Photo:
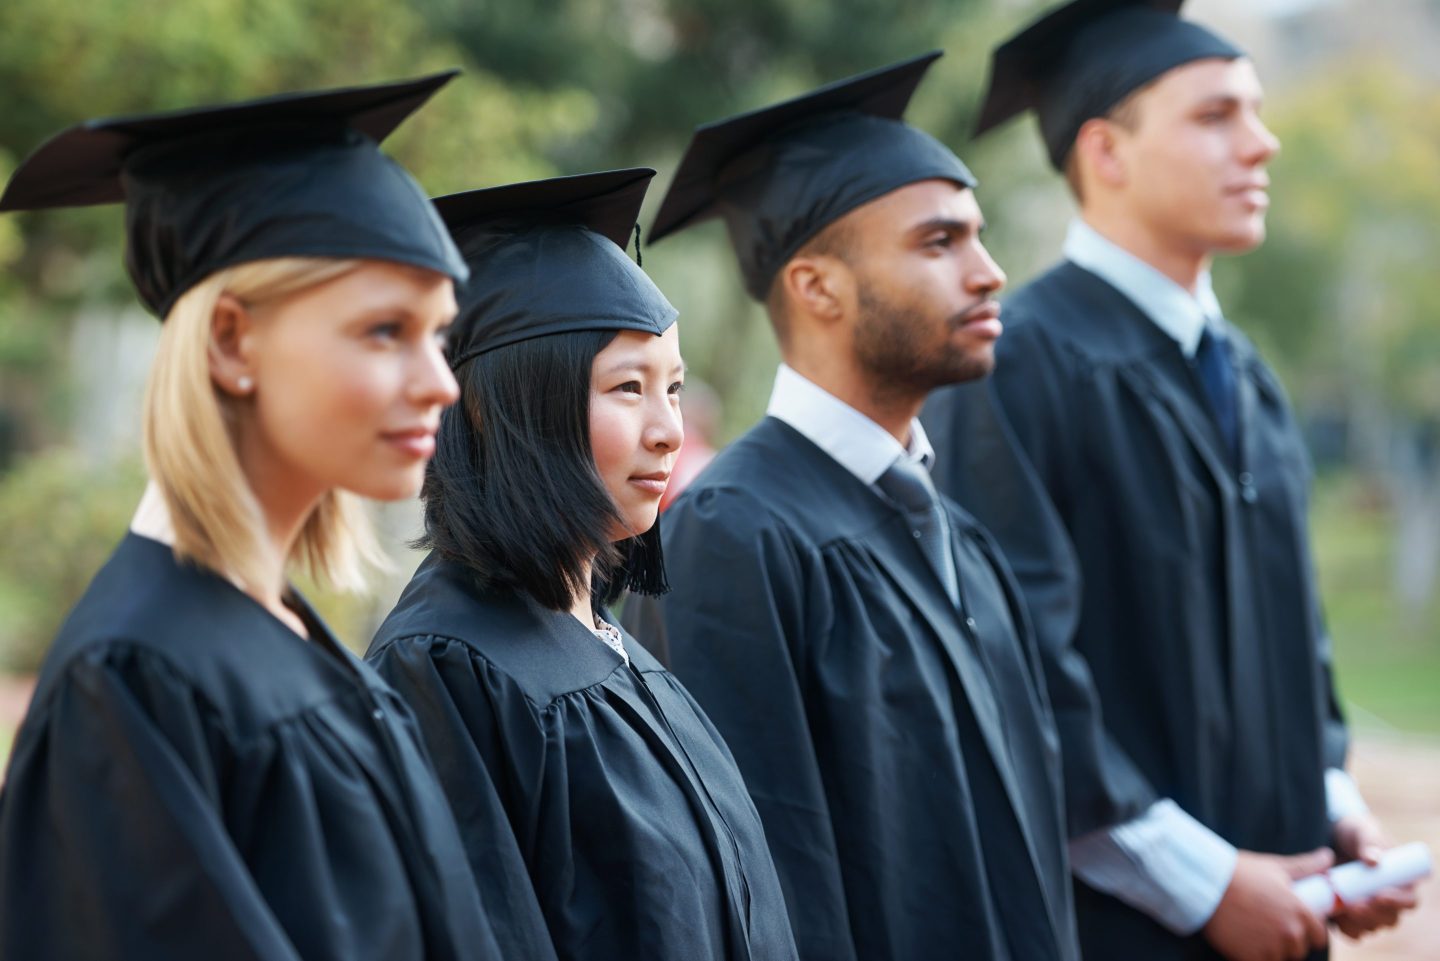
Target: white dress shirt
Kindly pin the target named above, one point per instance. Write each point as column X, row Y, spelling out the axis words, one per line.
column 856, row 442
column 1164, row 862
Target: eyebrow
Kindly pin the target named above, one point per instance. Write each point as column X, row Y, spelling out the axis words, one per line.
column 949, row 225
column 1228, row 100
column 643, row 366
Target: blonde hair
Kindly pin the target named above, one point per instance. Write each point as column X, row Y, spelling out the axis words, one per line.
column 190, row 449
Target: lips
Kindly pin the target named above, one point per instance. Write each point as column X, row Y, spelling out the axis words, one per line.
column 1253, row 192
column 989, row 310
column 983, row 320
column 652, row 483
column 418, row 442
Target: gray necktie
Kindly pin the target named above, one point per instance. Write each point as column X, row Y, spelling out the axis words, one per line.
column 908, row 484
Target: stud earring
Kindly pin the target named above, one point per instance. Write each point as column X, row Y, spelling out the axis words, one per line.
column 244, row 384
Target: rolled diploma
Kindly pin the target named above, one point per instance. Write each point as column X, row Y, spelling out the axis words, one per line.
column 1356, row 882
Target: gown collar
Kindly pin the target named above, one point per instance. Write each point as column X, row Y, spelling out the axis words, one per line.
column 856, row 442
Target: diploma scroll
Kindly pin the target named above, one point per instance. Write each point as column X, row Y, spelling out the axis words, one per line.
column 1356, row 882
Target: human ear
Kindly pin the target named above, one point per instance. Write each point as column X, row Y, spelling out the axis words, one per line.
column 231, row 346
column 1101, row 153
column 819, row 286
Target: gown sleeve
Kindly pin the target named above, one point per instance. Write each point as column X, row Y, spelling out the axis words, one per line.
column 1038, row 424
column 747, row 599
column 111, row 841
column 489, row 753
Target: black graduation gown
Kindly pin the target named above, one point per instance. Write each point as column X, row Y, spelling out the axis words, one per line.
column 905, row 764
column 193, row 780
column 631, row 815
column 1198, row 630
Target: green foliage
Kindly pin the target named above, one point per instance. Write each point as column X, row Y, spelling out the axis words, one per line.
column 62, row 61
column 1345, row 288
column 62, row 517
column 661, row 66
column 1386, row 660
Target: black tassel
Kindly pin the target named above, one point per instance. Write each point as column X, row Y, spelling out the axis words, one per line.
column 639, row 261
column 644, row 571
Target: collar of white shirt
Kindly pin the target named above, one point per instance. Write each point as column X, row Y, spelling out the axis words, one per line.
column 1175, row 310
column 856, row 442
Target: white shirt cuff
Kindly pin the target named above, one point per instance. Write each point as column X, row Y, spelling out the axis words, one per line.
column 1342, row 795
column 1164, row 863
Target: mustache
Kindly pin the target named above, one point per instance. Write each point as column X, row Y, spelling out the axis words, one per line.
column 989, row 307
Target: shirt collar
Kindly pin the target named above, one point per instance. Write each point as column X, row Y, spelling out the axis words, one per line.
column 856, row 442
column 1179, row 313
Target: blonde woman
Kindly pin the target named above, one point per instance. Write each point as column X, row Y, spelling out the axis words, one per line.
column 204, row 771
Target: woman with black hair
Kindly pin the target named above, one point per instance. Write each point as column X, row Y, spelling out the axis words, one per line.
column 540, row 507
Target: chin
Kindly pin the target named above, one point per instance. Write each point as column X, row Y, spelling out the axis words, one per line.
column 390, row 485
column 641, row 519
column 1241, row 238
column 975, row 364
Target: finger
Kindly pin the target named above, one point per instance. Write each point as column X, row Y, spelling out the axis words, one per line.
column 1316, row 933
column 1370, row 917
column 1350, row 928
column 1385, row 912
column 1312, row 862
column 1401, row 898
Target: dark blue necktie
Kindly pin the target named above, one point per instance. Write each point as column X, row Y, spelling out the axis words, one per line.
column 908, row 484
column 1217, row 376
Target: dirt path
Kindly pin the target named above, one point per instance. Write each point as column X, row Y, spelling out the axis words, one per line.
column 1400, row 777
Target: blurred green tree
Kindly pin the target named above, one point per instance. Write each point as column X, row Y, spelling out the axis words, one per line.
column 62, row 61
column 1344, row 288
column 45, row 567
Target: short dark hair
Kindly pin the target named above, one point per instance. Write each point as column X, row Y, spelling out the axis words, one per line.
column 512, row 493
column 836, row 239
column 1126, row 115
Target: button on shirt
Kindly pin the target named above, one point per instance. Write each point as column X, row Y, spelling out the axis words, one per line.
column 1164, row 862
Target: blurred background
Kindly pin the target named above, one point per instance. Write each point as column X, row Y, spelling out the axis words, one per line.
column 1344, row 297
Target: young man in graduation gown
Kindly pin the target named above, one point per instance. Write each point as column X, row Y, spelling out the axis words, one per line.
column 854, row 636
column 1167, row 564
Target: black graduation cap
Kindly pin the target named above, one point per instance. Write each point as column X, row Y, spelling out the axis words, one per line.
column 298, row 174
column 780, row 174
column 1078, row 60
column 548, row 257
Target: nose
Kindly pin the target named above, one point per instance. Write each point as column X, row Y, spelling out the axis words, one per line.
column 665, row 431
column 1260, row 144
column 983, row 276
column 432, row 383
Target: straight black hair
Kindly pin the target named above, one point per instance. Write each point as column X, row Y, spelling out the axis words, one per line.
column 512, row 493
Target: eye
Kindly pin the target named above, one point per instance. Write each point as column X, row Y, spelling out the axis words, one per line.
column 385, row 330
column 442, row 336
column 941, row 241
column 631, row 387
column 677, row 388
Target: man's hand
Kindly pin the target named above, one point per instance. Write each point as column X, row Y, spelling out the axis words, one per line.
column 1260, row 918
column 1359, row 837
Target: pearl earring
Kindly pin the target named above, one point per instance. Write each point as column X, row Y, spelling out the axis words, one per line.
column 244, row 384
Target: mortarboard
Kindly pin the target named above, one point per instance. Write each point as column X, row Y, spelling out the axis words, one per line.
column 1079, row 60
column 295, row 175
column 781, row 174
column 548, row 257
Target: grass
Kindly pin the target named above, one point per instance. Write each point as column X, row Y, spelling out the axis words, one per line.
column 1387, row 657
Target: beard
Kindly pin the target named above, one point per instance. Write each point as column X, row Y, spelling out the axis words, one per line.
column 906, row 351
